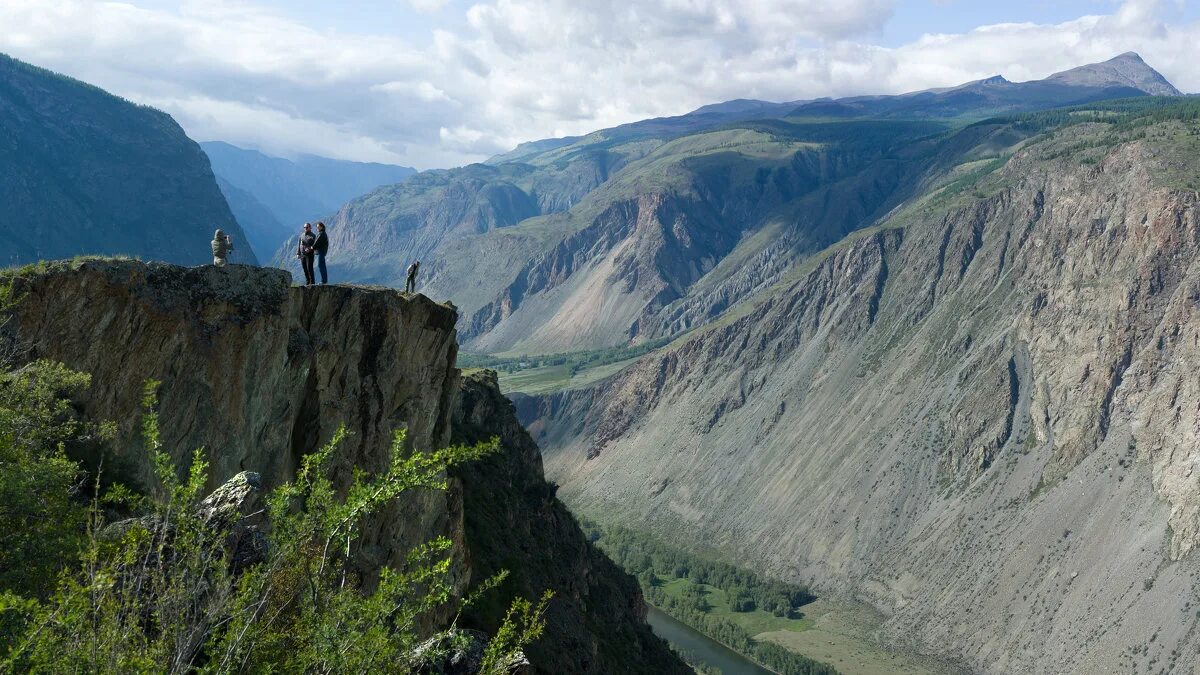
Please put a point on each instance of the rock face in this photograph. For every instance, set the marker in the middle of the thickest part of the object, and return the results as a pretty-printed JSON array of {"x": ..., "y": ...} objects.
[
  {"x": 596, "y": 620},
  {"x": 257, "y": 373},
  {"x": 657, "y": 227},
  {"x": 85, "y": 172},
  {"x": 982, "y": 416},
  {"x": 260, "y": 373}
]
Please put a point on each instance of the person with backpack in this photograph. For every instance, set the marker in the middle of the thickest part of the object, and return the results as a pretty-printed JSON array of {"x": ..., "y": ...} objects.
[
  {"x": 322, "y": 247},
  {"x": 305, "y": 251},
  {"x": 410, "y": 286},
  {"x": 222, "y": 245}
]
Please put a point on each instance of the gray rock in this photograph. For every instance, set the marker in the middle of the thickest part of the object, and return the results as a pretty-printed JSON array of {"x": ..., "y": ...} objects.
[{"x": 459, "y": 652}]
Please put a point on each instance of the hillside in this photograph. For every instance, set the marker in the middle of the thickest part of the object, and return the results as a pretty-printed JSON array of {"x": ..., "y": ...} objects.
[
  {"x": 292, "y": 191},
  {"x": 85, "y": 172},
  {"x": 978, "y": 415},
  {"x": 260, "y": 374},
  {"x": 653, "y": 228}
]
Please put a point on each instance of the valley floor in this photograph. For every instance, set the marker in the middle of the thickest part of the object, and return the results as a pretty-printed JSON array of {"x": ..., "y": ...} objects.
[
  {"x": 836, "y": 632},
  {"x": 839, "y": 633}
]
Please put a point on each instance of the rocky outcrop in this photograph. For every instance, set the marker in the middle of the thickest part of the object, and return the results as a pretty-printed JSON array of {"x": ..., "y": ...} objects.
[
  {"x": 981, "y": 417},
  {"x": 259, "y": 373},
  {"x": 596, "y": 620}
]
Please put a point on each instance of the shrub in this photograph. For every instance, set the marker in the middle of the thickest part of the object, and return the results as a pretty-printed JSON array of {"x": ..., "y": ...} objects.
[
  {"x": 166, "y": 596},
  {"x": 41, "y": 518}
]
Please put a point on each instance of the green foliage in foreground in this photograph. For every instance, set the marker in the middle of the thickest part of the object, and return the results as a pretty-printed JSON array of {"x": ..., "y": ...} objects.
[
  {"x": 41, "y": 520},
  {"x": 164, "y": 594},
  {"x": 650, "y": 561}
]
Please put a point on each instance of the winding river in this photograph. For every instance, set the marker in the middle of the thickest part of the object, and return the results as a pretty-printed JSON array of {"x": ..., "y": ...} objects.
[{"x": 700, "y": 647}]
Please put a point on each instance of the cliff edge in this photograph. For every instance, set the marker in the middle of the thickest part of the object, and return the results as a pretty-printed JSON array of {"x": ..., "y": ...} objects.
[
  {"x": 260, "y": 373},
  {"x": 515, "y": 522}
]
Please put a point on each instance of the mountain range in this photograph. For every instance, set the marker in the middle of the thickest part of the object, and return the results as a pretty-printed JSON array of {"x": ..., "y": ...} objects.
[
  {"x": 85, "y": 172},
  {"x": 973, "y": 415},
  {"x": 652, "y": 228},
  {"x": 272, "y": 196},
  {"x": 930, "y": 354},
  {"x": 924, "y": 352}
]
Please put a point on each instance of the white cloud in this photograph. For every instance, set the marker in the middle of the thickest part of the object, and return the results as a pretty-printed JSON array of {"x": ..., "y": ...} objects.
[
  {"x": 516, "y": 70},
  {"x": 426, "y": 6}
]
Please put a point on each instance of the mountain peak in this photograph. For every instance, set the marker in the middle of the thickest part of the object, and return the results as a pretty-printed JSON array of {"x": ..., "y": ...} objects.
[
  {"x": 1125, "y": 70},
  {"x": 1128, "y": 56}
]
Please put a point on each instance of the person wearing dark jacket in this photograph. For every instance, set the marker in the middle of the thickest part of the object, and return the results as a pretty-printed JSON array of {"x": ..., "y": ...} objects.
[
  {"x": 322, "y": 247},
  {"x": 305, "y": 252},
  {"x": 410, "y": 284}
]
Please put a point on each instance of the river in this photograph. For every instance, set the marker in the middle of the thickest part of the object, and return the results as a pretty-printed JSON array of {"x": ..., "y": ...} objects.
[{"x": 700, "y": 647}]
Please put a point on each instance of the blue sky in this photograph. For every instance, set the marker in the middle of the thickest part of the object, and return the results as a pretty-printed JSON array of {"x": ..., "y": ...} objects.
[
  {"x": 917, "y": 17},
  {"x": 434, "y": 83}
]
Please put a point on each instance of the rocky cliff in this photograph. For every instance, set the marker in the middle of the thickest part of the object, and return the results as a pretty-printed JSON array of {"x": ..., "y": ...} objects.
[
  {"x": 254, "y": 371},
  {"x": 514, "y": 522},
  {"x": 980, "y": 416},
  {"x": 85, "y": 172},
  {"x": 259, "y": 373}
]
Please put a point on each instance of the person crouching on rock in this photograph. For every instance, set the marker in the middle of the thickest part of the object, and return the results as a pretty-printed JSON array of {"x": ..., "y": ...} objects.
[
  {"x": 222, "y": 244},
  {"x": 305, "y": 251},
  {"x": 322, "y": 247},
  {"x": 410, "y": 286}
]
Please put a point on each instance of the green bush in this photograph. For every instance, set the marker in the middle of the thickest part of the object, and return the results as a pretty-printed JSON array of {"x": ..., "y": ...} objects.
[
  {"x": 164, "y": 594},
  {"x": 41, "y": 518}
]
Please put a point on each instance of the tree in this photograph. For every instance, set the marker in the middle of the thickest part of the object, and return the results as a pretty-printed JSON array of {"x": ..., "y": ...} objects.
[{"x": 740, "y": 600}]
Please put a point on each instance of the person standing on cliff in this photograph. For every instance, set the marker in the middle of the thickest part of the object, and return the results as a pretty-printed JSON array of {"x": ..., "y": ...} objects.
[
  {"x": 322, "y": 247},
  {"x": 305, "y": 252},
  {"x": 410, "y": 286},
  {"x": 222, "y": 244}
]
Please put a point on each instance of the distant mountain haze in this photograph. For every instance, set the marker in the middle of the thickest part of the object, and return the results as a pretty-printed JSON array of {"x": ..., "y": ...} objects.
[
  {"x": 85, "y": 172},
  {"x": 651, "y": 228},
  {"x": 1124, "y": 75},
  {"x": 263, "y": 230},
  {"x": 291, "y": 191}
]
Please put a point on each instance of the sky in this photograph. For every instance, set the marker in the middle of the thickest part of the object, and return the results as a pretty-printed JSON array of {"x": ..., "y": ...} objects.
[{"x": 440, "y": 83}]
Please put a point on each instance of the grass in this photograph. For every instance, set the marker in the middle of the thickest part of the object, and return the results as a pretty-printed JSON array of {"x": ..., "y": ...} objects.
[
  {"x": 48, "y": 266},
  {"x": 536, "y": 380},
  {"x": 839, "y": 634},
  {"x": 548, "y": 379},
  {"x": 754, "y": 622},
  {"x": 540, "y": 374}
]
